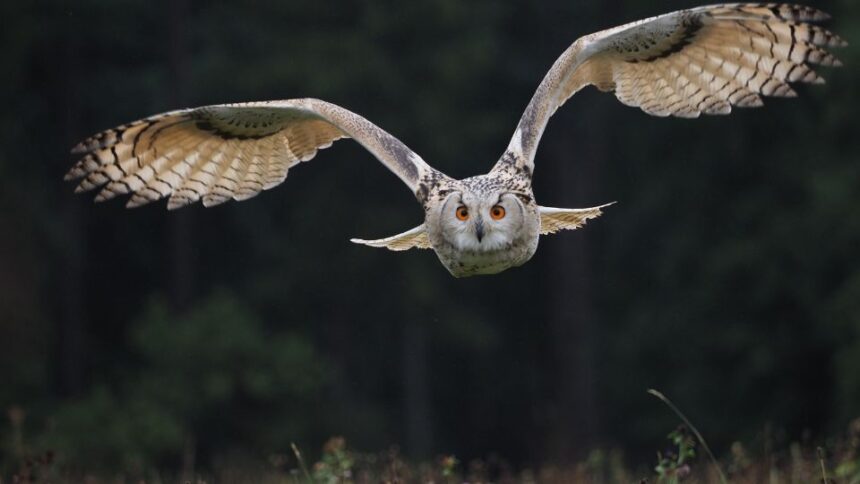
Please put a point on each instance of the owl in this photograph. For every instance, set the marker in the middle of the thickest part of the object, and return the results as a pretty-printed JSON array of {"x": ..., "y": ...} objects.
[{"x": 685, "y": 63}]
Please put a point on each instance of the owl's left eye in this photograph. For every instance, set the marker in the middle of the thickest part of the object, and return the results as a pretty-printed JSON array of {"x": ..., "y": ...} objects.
[{"x": 497, "y": 212}]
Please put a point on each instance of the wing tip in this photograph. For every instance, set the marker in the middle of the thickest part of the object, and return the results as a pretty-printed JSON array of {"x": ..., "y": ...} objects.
[
  {"x": 799, "y": 13},
  {"x": 81, "y": 188},
  {"x": 73, "y": 174},
  {"x": 175, "y": 203},
  {"x": 213, "y": 201},
  {"x": 609, "y": 204},
  {"x": 136, "y": 201},
  {"x": 821, "y": 16},
  {"x": 384, "y": 244},
  {"x": 369, "y": 243}
]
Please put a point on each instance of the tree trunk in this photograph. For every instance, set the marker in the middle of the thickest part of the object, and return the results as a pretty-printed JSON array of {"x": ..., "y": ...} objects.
[
  {"x": 574, "y": 153},
  {"x": 416, "y": 390},
  {"x": 573, "y": 320},
  {"x": 181, "y": 222},
  {"x": 72, "y": 249}
]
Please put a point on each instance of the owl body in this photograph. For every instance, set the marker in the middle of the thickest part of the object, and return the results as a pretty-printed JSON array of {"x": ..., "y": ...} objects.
[{"x": 705, "y": 60}]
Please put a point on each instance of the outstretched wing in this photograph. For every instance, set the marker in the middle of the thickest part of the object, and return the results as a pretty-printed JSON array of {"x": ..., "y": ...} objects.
[
  {"x": 702, "y": 60},
  {"x": 554, "y": 219},
  {"x": 230, "y": 151},
  {"x": 415, "y": 238}
]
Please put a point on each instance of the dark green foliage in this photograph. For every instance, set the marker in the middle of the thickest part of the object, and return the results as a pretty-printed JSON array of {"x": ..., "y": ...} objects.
[
  {"x": 214, "y": 379},
  {"x": 674, "y": 464}
]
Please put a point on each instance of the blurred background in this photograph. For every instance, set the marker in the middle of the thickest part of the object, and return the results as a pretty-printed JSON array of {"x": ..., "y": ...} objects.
[{"x": 727, "y": 276}]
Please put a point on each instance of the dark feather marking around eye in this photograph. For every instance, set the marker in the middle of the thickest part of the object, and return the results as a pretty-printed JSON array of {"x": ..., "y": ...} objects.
[{"x": 526, "y": 198}]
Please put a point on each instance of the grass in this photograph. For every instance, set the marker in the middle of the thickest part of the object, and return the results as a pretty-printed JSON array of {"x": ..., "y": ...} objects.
[
  {"x": 340, "y": 464},
  {"x": 688, "y": 449},
  {"x": 839, "y": 463}
]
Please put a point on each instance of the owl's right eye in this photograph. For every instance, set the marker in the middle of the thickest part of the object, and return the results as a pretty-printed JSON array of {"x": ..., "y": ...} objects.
[{"x": 462, "y": 213}]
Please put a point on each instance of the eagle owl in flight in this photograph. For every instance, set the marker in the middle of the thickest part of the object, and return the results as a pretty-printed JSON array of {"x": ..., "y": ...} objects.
[{"x": 701, "y": 60}]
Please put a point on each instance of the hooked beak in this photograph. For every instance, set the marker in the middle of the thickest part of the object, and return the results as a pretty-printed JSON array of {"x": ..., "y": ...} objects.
[{"x": 479, "y": 228}]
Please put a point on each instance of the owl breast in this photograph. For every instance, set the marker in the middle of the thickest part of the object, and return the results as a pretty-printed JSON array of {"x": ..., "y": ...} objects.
[{"x": 475, "y": 263}]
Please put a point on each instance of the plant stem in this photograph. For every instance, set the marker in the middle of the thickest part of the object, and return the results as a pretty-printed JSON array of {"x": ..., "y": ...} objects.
[
  {"x": 695, "y": 432},
  {"x": 302, "y": 465},
  {"x": 821, "y": 463}
]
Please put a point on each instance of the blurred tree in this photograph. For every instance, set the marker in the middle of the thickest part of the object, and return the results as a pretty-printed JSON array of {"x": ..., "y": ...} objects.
[
  {"x": 182, "y": 225},
  {"x": 71, "y": 316},
  {"x": 214, "y": 376},
  {"x": 573, "y": 317}
]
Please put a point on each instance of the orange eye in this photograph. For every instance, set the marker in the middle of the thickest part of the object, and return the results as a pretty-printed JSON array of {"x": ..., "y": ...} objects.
[
  {"x": 462, "y": 213},
  {"x": 497, "y": 212}
]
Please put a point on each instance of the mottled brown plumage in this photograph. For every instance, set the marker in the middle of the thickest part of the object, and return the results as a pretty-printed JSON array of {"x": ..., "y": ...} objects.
[{"x": 687, "y": 63}]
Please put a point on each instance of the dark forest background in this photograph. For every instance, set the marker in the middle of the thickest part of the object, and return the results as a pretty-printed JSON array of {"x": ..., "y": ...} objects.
[{"x": 727, "y": 276}]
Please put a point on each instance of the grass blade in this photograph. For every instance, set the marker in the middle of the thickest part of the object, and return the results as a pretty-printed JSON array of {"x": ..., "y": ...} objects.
[
  {"x": 302, "y": 463},
  {"x": 699, "y": 437},
  {"x": 824, "y": 479}
]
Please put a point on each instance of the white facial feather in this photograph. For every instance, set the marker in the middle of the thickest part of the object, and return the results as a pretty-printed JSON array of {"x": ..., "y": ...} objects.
[
  {"x": 479, "y": 232},
  {"x": 480, "y": 244}
]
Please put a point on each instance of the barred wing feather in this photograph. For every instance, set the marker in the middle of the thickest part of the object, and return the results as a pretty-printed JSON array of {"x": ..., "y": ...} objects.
[
  {"x": 223, "y": 152},
  {"x": 686, "y": 63}
]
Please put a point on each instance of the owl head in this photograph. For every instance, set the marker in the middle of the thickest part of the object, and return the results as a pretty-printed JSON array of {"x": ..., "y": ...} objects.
[{"x": 482, "y": 228}]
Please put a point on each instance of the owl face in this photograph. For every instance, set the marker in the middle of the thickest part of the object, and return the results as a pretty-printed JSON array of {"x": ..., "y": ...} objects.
[
  {"x": 483, "y": 232},
  {"x": 485, "y": 223}
]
